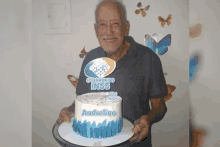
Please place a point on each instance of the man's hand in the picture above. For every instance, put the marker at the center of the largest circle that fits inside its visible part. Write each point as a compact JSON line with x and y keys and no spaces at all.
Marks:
{"x":68,"y":112}
{"x":141,"y":129}
{"x":143,"y":125}
{"x":65,"y":115}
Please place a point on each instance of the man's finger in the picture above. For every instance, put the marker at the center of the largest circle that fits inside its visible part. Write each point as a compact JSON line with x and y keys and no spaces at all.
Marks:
{"x":70,"y":114}
{"x":135,"y":136}
{"x":66,"y":119}
{"x":143,"y":134}
{"x":65,"y":116}
{"x":137,"y":128}
{"x":59,"y":121}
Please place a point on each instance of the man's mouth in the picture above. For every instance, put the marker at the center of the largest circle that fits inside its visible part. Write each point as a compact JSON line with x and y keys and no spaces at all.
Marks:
{"x":109,"y":39}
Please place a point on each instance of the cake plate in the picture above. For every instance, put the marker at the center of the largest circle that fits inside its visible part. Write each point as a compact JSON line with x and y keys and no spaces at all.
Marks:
{"x":66,"y":137}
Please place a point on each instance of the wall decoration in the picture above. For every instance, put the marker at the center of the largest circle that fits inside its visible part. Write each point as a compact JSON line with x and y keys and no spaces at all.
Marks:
{"x":158,"y":43}
{"x":195,"y":62}
{"x":142,"y":10}
{"x":197,"y":135}
{"x":193,"y":67}
{"x":170,"y":90}
{"x":83,"y":53}
{"x":73,"y":80}
{"x":57,"y":17}
{"x":197,"y":30}
{"x":164,"y":21}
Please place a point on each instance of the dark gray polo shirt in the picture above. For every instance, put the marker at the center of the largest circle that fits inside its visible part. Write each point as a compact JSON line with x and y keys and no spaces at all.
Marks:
{"x":138,"y":77}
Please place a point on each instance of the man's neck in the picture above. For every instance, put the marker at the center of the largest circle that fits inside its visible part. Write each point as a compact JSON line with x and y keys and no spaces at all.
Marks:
{"x":119,"y":53}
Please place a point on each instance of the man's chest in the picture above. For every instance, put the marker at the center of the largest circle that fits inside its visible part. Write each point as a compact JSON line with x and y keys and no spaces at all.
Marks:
{"x":130,"y":78}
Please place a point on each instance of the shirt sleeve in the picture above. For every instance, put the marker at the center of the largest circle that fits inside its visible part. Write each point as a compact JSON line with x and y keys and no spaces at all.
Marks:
{"x":157,"y":79}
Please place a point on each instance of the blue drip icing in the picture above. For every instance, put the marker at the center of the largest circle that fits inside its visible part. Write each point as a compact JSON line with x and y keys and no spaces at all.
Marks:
{"x":103,"y":130}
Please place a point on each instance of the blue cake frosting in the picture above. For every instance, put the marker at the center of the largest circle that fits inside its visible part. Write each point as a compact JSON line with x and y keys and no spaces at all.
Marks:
{"x":102,"y":130}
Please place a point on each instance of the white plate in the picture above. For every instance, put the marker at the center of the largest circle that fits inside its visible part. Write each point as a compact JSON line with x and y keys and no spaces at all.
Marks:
{"x":65,"y":130}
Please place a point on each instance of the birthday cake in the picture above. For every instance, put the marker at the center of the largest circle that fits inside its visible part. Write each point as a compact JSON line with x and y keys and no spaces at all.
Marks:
{"x":98,"y":115}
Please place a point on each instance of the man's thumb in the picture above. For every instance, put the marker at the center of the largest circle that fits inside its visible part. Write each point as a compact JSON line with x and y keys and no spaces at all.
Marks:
{"x":66,"y":119}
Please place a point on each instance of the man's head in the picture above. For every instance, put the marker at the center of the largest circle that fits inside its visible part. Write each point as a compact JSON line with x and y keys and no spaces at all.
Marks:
{"x":111,"y":24}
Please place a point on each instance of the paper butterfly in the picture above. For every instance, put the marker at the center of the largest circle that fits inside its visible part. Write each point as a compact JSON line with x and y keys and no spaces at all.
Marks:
{"x":170,"y":90}
{"x":158,"y":43}
{"x":196,"y":30}
{"x":83,"y":53}
{"x":196,"y":135}
{"x":193,"y":66}
{"x":164,"y":21}
{"x":73,"y":78}
{"x":142,"y":10}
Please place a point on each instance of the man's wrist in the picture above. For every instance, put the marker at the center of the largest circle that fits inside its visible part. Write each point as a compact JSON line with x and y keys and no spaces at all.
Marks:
{"x":72,"y":107}
{"x":155,"y":116}
{"x":148,"y":119}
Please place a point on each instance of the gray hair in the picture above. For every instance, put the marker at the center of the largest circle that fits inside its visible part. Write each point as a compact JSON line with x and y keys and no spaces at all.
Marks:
{"x":118,"y":3}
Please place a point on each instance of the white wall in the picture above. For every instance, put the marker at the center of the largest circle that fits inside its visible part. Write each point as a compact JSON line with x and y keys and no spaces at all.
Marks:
{"x":15,"y":64}
{"x":204,"y":92}
{"x":15,"y":73}
{"x":56,"y":56}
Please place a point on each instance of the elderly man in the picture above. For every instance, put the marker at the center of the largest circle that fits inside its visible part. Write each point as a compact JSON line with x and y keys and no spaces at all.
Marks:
{"x":139,"y":76}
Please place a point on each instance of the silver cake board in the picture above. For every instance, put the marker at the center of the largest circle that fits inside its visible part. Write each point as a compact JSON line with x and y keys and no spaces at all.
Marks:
{"x":65,"y":136}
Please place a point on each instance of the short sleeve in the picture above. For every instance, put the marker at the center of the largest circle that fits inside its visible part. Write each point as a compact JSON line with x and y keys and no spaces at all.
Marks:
{"x":157,"y":79}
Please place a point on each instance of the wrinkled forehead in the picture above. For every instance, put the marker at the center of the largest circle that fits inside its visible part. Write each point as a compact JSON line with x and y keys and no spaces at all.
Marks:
{"x":109,"y":12}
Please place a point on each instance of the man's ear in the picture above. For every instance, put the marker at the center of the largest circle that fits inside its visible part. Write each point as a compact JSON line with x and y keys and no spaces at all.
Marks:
{"x":127,"y":28}
{"x":95,"y":28}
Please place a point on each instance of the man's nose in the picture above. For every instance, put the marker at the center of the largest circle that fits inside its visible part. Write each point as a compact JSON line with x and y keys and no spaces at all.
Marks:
{"x":109,"y":30}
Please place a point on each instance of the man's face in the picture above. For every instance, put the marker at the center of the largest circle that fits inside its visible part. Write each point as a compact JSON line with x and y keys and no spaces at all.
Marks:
{"x":109,"y":27}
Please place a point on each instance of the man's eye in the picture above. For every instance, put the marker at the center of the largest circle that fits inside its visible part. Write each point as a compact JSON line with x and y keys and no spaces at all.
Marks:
{"x":115,"y":24}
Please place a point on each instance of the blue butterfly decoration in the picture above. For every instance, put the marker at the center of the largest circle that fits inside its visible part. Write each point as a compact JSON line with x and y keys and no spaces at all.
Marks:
{"x":158,"y":43}
{"x":193,"y":67}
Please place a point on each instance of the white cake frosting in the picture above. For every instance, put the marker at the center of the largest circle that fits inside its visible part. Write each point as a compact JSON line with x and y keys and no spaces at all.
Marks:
{"x":100,"y":110}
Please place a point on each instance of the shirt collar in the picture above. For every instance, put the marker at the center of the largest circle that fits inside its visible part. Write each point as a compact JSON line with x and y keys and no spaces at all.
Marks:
{"x":132,"y":44}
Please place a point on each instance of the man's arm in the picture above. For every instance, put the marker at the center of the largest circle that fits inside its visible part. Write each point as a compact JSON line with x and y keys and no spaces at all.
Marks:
{"x":157,"y":92}
{"x":157,"y":111}
{"x":141,"y":129}
{"x":71,"y":108}
{"x":66,"y":113}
